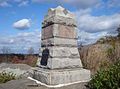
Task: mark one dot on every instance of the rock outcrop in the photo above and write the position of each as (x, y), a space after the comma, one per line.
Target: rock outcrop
(21, 70)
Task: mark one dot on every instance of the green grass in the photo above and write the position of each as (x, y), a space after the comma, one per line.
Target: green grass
(5, 77)
(106, 78)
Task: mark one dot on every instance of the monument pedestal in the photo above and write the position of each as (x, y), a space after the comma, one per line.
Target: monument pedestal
(61, 76)
(60, 62)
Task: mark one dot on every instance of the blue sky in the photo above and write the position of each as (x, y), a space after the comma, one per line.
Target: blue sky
(20, 20)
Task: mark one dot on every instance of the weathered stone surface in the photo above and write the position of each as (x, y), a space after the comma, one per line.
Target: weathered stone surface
(66, 31)
(59, 20)
(57, 63)
(59, 15)
(18, 84)
(38, 62)
(62, 76)
(62, 52)
(60, 62)
(21, 70)
(47, 32)
(59, 11)
(57, 30)
(59, 42)
(29, 84)
(81, 85)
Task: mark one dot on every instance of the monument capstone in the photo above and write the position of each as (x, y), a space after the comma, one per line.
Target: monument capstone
(60, 62)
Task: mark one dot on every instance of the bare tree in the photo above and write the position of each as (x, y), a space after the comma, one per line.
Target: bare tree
(31, 50)
(118, 30)
(5, 50)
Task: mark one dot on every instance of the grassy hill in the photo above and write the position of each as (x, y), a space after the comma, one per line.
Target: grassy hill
(104, 52)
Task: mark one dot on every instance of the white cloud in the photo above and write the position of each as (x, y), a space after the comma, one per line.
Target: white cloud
(82, 3)
(11, 41)
(18, 1)
(22, 24)
(75, 3)
(23, 3)
(90, 23)
(91, 28)
(7, 3)
(113, 3)
(22, 41)
(88, 38)
(4, 3)
(108, 4)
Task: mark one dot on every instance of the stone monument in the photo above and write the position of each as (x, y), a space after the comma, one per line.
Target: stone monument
(60, 62)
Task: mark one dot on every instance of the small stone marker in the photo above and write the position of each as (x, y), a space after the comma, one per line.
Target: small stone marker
(60, 62)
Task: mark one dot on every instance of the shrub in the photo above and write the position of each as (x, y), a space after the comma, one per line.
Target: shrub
(5, 77)
(106, 78)
(111, 54)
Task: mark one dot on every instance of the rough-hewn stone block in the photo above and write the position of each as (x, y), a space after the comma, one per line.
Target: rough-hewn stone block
(62, 52)
(59, 20)
(62, 76)
(58, 30)
(47, 32)
(59, 42)
(66, 31)
(57, 63)
(60, 16)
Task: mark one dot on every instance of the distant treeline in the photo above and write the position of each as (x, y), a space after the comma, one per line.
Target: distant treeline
(29, 59)
(18, 54)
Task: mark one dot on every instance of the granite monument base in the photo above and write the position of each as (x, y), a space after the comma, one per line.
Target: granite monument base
(61, 76)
